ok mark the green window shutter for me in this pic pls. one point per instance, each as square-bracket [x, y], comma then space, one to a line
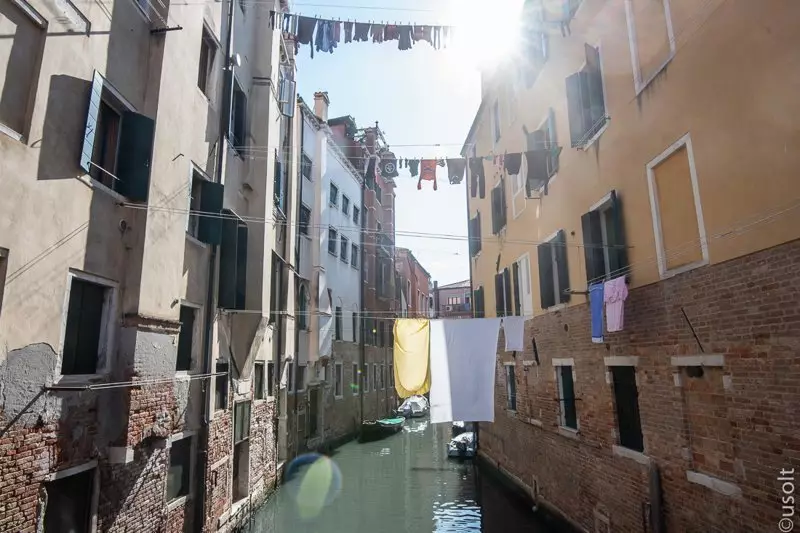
[546, 289]
[560, 251]
[575, 108]
[517, 301]
[499, 303]
[592, 242]
[210, 225]
[594, 81]
[227, 262]
[95, 96]
[618, 255]
[508, 304]
[134, 155]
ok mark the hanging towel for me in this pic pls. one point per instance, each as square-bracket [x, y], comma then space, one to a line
[514, 329]
[476, 168]
[463, 358]
[596, 308]
[337, 32]
[377, 33]
[427, 172]
[361, 32]
[413, 167]
[455, 169]
[412, 356]
[614, 294]
[513, 163]
[348, 32]
[405, 38]
[305, 31]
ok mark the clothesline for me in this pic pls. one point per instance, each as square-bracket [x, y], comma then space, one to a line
[324, 35]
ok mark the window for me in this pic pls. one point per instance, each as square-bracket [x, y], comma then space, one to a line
[333, 237]
[354, 386]
[88, 328]
[20, 56]
[511, 387]
[118, 143]
[499, 206]
[302, 307]
[651, 39]
[354, 257]
[208, 52]
[475, 235]
[379, 227]
[301, 378]
[540, 164]
[504, 304]
[345, 205]
[604, 250]
[185, 338]
[356, 215]
[480, 311]
[391, 375]
[305, 166]
[337, 325]
[238, 126]
[381, 334]
[3, 272]
[626, 401]
[221, 386]
[566, 397]
[334, 196]
[523, 292]
[496, 122]
[69, 502]
[279, 196]
[290, 377]
[375, 378]
[585, 100]
[553, 271]
[305, 219]
[279, 290]
[180, 469]
[232, 286]
[365, 377]
[287, 92]
[338, 381]
[680, 233]
[258, 381]
[453, 300]
[344, 249]
[241, 450]
[270, 379]
[205, 197]
[383, 376]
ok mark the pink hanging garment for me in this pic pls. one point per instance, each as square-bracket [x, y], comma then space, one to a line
[614, 294]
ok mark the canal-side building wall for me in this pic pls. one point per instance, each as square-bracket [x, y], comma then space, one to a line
[684, 420]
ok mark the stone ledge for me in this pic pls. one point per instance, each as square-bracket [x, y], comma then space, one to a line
[717, 485]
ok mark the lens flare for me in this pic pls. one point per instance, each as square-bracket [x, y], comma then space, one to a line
[315, 481]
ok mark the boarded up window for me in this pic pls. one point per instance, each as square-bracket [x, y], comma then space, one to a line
[651, 36]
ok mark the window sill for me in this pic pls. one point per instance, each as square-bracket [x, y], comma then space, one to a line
[640, 87]
[179, 502]
[77, 380]
[96, 185]
[568, 432]
[332, 253]
[205, 97]
[183, 375]
[557, 307]
[596, 136]
[197, 242]
[338, 397]
[12, 133]
[666, 274]
[627, 453]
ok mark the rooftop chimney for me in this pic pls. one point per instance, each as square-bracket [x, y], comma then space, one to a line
[321, 103]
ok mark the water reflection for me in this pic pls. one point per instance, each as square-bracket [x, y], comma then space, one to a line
[402, 484]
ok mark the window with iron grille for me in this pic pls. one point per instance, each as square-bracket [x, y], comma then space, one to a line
[305, 219]
[333, 237]
[511, 388]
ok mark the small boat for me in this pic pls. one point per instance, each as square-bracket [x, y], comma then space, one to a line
[414, 407]
[460, 427]
[373, 430]
[462, 446]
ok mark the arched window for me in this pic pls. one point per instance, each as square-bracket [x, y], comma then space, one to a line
[302, 307]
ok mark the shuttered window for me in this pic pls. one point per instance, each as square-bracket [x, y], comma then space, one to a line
[480, 312]
[84, 333]
[475, 235]
[586, 103]
[504, 305]
[287, 91]
[542, 159]
[233, 262]
[499, 207]
[605, 249]
[238, 124]
[553, 271]
[205, 206]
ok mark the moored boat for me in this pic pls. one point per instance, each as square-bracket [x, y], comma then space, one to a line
[372, 430]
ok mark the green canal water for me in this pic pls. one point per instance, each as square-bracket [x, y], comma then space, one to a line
[402, 484]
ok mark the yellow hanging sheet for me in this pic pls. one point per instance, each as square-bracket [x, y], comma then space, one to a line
[412, 374]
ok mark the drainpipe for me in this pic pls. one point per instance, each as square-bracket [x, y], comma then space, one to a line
[210, 304]
[362, 355]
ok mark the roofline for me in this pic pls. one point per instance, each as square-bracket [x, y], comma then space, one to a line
[455, 285]
[412, 256]
[473, 127]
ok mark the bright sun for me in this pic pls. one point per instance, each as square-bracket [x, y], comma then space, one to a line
[485, 35]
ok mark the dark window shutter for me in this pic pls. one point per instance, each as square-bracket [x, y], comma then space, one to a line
[95, 97]
[499, 304]
[553, 150]
[594, 82]
[560, 251]
[495, 210]
[546, 289]
[478, 303]
[508, 305]
[134, 155]
[517, 302]
[537, 160]
[278, 192]
[288, 89]
[475, 235]
[593, 242]
[210, 226]
[227, 262]
[503, 206]
[575, 108]
[618, 254]
[568, 397]
[626, 396]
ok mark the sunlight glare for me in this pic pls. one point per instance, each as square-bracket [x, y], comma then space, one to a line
[485, 35]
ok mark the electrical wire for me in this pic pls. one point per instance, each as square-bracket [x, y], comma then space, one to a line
[130, 384]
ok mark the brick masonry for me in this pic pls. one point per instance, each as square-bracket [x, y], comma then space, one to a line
[737, 423]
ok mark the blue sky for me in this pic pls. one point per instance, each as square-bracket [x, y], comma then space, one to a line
[420, 96]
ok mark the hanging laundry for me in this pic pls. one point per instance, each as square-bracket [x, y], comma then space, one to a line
[361, 33]
[437, 37]
[462, 366]
[378, 33]
[337, 32]
[513, 163]
[445, 35]
[370, 173]
[305, 31]
[427, 173]
[514, 330]
[440, 162]
[412, 375]
[455, 169]
[413, 167]
[391, 33]
[348, 32]
[405, 38]
[324, 40]
[476, 169]
[596, 308]
[614, 294]
[389, 165]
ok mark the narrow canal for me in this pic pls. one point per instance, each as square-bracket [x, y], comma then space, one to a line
[402, 484]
